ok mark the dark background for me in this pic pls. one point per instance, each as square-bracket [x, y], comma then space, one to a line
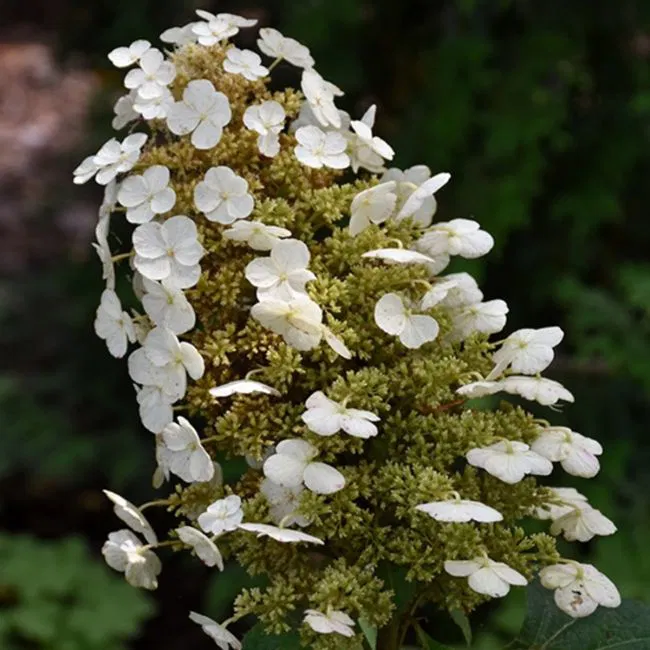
[541, 111]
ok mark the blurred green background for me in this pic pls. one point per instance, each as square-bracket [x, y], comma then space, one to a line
[541, 111]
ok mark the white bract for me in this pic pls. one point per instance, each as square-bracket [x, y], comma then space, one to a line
[168, 251]
[293, 465]
[333, 621]
[461, 237]
[172, 359]
[460, 290]
[244, 62]
[395, 316]
[124, 552]
[232, 19]
[367, 150]
[132, 516]
[274, 44]
[180, 35]
[113, 158]
[218, 633]
[564, 500]
[399, 256]
[284, 535]
[320, 97]
[167, 306]
[326, 417]
[257, 235]
[213, 31]
[284, 274]
[527, 351]
[205, 549]
[267, 119]
[243, 387]
[485, 576]
[374, 205]
[298, 321]
[483, 317]
[153, 75]
[203, 112]
[317, 148]
[579, 588]
[420, 197]
[125, 112]
[407, 182]
[113, 324]
[582, 523]
[460, 511]
[284, 503]
[123, 57]
[154, 108]
[509, 461]
[538, 389]
[222, 516]
[147, 195]
[223, 196]
[181, 453]
[155, 407]
[577, 453]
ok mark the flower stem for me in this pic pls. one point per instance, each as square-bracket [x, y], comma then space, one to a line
[158, 502]
[121, 256]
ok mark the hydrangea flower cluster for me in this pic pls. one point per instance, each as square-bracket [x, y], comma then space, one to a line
[270, 241]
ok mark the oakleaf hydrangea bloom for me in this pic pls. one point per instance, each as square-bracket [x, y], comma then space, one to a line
[326, 417]
[124, 552]
[395, 316]
[284, 274]
[331, 622]
[485, 576]
[222, 516]
[113, 324]
[203, 112]
[274, 44]
[293, 465]
[258, 236]
[294, 310]
[147, 195]
[223, 196]
[579, 588]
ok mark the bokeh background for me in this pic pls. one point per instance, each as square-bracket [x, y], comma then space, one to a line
[541, 110]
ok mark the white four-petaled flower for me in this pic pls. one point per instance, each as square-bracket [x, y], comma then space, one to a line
[113, 324]
[168, 251]
[374, 205]
[124, 552]
[317, 148]
[206, 550]
[539, 389]
[203, 112]
[222, 516]
[243, 387]
[460, 511]
[152, 76]
[213, 30]
[123, 57]
[394, 315]
[284, 535]
[277, 46]
[482, 317]
[147, 195]
[132, 516]
[218, 633]
[579, 588]
[181, 453]
[257, 235]
[581, 523]
[284, 503]
[284, 274]
[113, 158]
[167, 306]
[367, 150]
[244, 62]
[485, 576]
[326, 417]
[577, 453]
[407, 182]
[509, 461]
[333, 621]
[293, 465]
[223, 196]
[320, 96]
[462, 237]
[267, 119]
[421, 196]
[299, 321]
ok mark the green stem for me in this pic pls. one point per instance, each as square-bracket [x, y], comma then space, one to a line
[389, 637]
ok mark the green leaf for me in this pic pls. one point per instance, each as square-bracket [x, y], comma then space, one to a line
[258, 639]
[426, 642]
[370, 632]
[547, 628]
[394, 577]
[460, 618]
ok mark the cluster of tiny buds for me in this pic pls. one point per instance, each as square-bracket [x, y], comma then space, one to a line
[166, 260]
